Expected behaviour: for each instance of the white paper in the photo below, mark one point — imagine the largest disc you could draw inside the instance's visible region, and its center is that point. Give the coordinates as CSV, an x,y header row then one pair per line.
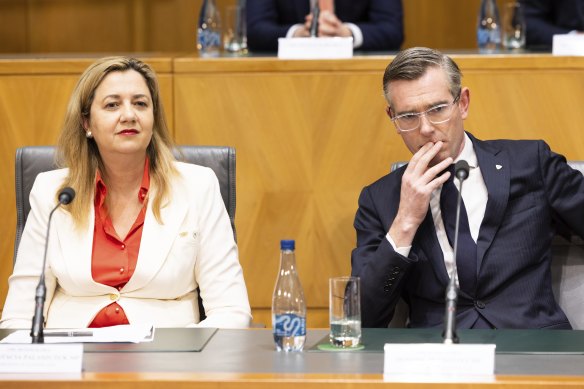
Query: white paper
x,y
131,333
436,362
315,48
568,44
41,358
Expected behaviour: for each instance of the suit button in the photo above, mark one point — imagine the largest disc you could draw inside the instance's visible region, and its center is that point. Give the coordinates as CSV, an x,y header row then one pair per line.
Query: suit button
x,y
479,304
113,297
386,288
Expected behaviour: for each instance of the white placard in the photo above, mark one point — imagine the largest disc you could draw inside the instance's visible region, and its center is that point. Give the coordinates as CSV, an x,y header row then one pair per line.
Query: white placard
x,y
133,333
568,44
436,362
315,48
41,358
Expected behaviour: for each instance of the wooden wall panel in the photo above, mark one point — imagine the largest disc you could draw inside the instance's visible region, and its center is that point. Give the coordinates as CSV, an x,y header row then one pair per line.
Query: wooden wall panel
x,y
13,26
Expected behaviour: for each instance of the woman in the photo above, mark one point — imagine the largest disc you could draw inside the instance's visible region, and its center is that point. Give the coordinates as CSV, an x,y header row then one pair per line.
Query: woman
x,y
143,232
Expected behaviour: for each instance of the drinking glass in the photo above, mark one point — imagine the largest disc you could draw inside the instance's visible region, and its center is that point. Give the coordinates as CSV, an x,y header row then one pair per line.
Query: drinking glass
x,y
235,33
345,311
513,26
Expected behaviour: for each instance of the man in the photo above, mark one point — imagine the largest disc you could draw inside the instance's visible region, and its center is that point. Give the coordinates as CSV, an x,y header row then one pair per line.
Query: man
x,y
375,25
515,194
545,18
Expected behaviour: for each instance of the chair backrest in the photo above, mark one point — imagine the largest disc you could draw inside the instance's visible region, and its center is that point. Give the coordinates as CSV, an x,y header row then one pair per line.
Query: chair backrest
x,y
32,160
567,273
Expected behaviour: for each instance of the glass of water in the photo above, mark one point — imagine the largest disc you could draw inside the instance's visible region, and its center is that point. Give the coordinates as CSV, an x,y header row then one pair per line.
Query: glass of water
x,y
345,311
513,26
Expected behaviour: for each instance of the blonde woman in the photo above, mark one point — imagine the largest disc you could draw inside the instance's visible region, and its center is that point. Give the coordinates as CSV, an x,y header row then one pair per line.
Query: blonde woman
x,y
144,231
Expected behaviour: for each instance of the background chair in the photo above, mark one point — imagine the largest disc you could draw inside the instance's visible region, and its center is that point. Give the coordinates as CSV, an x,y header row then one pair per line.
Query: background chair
x,y
567,273
32,160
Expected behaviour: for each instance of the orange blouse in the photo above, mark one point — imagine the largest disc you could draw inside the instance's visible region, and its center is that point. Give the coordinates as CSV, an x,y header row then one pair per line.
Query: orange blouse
x,y
114,259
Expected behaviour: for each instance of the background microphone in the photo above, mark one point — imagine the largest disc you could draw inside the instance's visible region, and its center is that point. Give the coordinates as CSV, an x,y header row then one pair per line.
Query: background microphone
x,y
65,197
314,23
460,172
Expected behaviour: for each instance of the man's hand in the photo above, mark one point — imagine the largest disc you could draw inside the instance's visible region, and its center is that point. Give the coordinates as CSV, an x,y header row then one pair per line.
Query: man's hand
x,y
418,182
328,25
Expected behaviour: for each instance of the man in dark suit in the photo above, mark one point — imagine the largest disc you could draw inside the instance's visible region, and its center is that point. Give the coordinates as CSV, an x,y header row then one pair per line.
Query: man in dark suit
x,y
545,18
515,194
376,25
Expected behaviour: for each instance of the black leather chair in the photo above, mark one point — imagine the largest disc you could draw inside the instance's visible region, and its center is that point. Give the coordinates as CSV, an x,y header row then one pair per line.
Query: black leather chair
x,y
32,160
567,273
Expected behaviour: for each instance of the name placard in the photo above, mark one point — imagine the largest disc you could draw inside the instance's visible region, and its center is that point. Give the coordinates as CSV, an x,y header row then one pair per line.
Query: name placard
x,y
436,362
315,48
568,44
41,358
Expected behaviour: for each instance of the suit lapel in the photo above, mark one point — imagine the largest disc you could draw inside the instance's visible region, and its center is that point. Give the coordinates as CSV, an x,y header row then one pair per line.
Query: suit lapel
x,y
157,239
495,169
77,245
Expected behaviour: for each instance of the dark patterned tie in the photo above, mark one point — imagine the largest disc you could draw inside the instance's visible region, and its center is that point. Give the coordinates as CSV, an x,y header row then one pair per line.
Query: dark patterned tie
x,y
466,258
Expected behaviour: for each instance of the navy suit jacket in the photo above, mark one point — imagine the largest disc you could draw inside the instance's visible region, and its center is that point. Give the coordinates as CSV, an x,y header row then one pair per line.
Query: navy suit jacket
x,y
380,21
530,190
544,18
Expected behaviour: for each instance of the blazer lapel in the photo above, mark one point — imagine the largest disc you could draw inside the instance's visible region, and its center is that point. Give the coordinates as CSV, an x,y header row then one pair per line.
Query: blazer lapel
x,y
495,169
77,246
157,239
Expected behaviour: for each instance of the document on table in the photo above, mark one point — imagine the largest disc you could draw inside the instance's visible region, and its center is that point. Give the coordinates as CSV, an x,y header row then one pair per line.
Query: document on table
x,y
130,333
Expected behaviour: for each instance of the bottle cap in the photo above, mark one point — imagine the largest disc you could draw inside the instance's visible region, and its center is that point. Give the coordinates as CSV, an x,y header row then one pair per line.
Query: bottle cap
x,y
287,244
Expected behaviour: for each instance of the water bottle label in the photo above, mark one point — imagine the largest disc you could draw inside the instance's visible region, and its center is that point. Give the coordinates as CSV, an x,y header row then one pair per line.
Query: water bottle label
x,y
289,324
209,38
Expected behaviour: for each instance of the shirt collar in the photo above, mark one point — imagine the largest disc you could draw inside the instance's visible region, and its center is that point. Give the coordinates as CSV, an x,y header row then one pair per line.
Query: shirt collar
x,y
468,153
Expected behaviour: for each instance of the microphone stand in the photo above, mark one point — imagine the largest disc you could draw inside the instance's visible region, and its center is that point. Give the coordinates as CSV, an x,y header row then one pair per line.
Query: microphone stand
x,y
451,298
38,320
314,23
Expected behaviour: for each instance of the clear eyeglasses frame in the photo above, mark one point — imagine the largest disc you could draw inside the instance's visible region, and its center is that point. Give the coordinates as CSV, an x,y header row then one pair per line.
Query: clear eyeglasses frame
x,y
438,114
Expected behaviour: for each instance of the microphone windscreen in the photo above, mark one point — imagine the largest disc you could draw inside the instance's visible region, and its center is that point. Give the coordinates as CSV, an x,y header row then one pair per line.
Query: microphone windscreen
x,y
66,195
461,169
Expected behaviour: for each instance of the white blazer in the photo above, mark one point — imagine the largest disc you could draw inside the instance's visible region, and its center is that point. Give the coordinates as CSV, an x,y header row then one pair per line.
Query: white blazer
x,y
194,247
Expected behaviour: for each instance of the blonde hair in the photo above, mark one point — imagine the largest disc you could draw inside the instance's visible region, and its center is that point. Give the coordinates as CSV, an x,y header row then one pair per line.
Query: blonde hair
x,y
81,155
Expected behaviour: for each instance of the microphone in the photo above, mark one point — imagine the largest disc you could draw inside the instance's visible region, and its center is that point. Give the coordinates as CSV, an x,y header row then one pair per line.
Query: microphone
x,y
461,172
314,23
36,332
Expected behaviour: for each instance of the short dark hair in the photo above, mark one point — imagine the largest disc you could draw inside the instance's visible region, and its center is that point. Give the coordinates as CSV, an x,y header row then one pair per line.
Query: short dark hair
x,y
412,64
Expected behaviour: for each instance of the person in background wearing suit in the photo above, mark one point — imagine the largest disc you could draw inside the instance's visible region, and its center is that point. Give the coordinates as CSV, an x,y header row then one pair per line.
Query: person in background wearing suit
x,y
375,25
545,18
516,193
143,232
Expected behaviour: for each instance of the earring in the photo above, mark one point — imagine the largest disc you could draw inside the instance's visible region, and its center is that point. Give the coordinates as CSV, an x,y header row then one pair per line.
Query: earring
x,y
88,135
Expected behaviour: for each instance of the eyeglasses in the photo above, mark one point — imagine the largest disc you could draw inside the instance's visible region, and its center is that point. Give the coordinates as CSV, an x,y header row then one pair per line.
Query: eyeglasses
x,y
438,114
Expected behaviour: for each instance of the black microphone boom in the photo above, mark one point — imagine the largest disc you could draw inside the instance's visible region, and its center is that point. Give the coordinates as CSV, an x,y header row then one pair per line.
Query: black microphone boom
x,y
461,172
36,332
314,23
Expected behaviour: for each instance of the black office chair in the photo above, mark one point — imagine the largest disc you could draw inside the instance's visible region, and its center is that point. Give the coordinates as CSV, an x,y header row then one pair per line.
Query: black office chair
x,y
32,160
567,273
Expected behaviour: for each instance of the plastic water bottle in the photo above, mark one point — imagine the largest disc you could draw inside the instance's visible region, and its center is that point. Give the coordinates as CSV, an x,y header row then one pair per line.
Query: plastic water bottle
x,y
488,27
288,306
209,30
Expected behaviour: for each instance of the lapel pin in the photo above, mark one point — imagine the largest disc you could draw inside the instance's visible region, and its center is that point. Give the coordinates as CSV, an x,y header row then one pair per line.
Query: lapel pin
x,y
499,167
